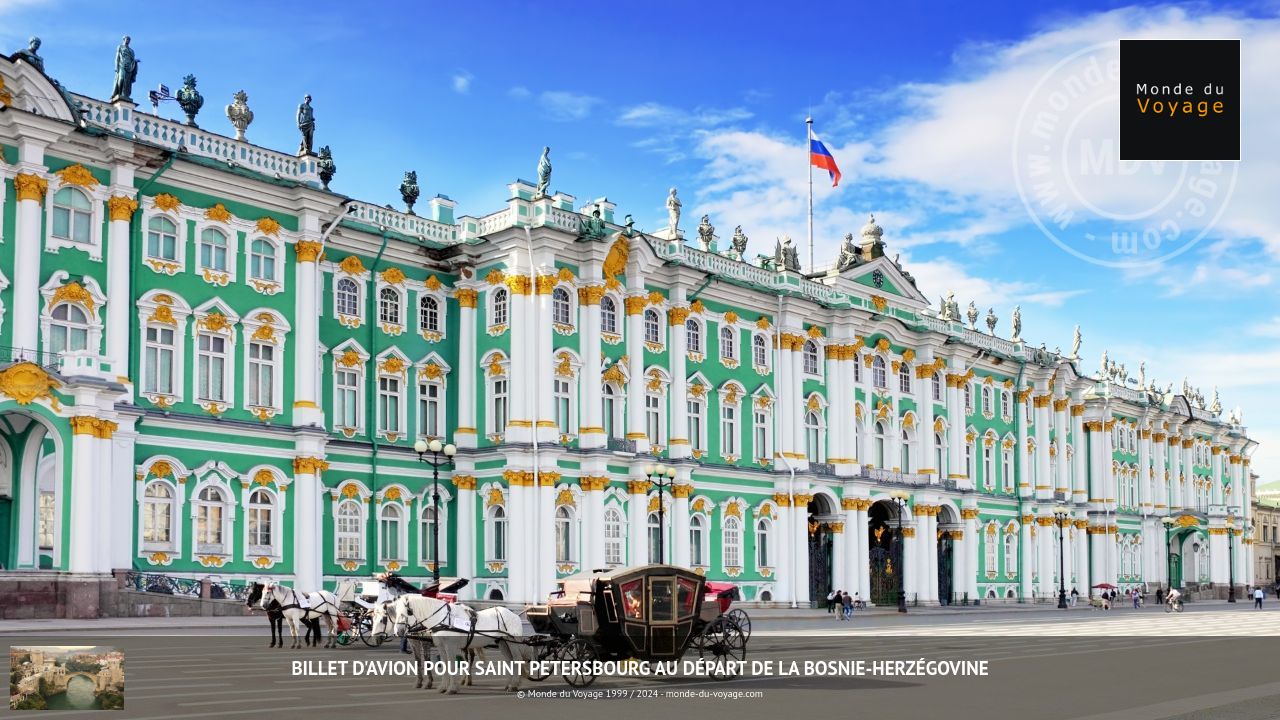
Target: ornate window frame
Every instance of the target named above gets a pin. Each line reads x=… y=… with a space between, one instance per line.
x=391 y=364
x=349 y=356
x=268 y=327
x=219 y=476
x=271 y=285
x=731 y=394
x=164 y=309
x=220 y=278
x=397 y=497
x=97 y=194
x=431 y=370
x=91 y=300
x=442 y=317
x=497 y=367
x=492 y=325
x=274 y=483
x=350 y=268
x=423 y=559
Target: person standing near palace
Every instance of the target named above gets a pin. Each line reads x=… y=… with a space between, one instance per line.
x=846 y=602
x=831 y=600
x=1075 y=597
x=1257 y=597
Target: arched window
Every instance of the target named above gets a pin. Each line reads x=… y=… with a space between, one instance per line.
x=1004 y=404
x=611 y=402
x=72 y=216
x=693 y=336
x=968 y=460
x=1010 y=554
x=732 y=527
x=262 y=260
x=608 y=315
x=988 y=465
x=878 y=377
x=697 y=542
x=937 y=386
x=261 y=524
x=565 y=550
x=968 y=399
x=986 y=400
x=68 y=328
x=389 y=306
x=428 y=314
x=497 y=544
x=389 y=524
x=157 y=515
x=348 y=297
x=904 y=378
x=763 y=527
x=760 y=351
x=656 y=549
x=211 y=367
x=213 y=250
x=157 y=370
x=499 y=307
x=904 y=461
x=162 y=239
x=347 y=531
x=1006 y=469
x=939 y=454
x=813 y=436
x=561 y=306
x=652 y=327
x=728 y=343
x=880 y=440
x=810 y=357
x=990 y=550
x=614 y=537
x=209 y=526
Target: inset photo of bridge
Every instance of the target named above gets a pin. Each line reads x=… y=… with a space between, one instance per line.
x=66 y=677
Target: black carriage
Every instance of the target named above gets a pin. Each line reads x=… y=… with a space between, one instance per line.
x=651 y=612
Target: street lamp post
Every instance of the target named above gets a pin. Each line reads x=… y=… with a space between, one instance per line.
x=1061 y=516
x=657 y=475
x=1168 y=556
x=899 y=498
x=1231 y=558
x=440 y=455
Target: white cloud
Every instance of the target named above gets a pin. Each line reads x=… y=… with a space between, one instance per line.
x=462 y=82
x=566 y=106
x=652 y=114
x=519 y=92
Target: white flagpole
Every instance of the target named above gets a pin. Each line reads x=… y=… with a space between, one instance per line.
x=809 y=161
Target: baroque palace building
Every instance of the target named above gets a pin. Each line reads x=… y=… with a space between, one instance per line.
x=216 y=366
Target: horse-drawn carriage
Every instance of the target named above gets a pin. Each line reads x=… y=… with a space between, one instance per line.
x=651 y=612
x=358 y=615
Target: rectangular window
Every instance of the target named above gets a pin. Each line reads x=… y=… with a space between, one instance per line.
x=653 y=419
x=389 y=404
x=499 y=406
x=261 y=375
x=159 y=361
x=47 y=521
x=695 y=425
x=260 y=529
x=563 y=406
x=345 y=403
x=429 y=409
x=209 y=528
x=210 y=367
x=761 y=435
x=348 y=531
x=728 y=430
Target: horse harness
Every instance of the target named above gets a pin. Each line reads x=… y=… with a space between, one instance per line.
x=419 y=626
x=295 y=605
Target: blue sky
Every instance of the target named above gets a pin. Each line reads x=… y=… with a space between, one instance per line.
x=915 y=100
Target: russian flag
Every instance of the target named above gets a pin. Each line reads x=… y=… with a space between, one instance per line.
x=820 y=157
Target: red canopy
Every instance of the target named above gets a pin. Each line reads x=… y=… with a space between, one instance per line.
x=1105 y=586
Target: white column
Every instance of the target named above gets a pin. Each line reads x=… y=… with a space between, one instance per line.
x=971 y=540
x=305 y=502
x=910 y=559
x=678 y=440
x=839 y=578
x=786 y=413
x=591 y=424
x=1145 y=488
x=924 y=410
x=119 y=493
x=1025 y=549
x=520 y=419
x=854 y=538
x=120 y=210
x=545 y=370
x=1216 y=475
x=1080 y=452
x=31 y=188
x=1159 y=474
x=678 y=546
x=958 y=421
x=1175 y=472
x=544 y=579
x=1047 y=532
x=799 y=459
x=520 y=560
x=465 y=433
x=1025 y=490
x=1044 y=476
x=635 y=305
x=864 y=545
x=800 y=547
x=1083 y=581
x=1061 y=429
x=306 y=327
x=1188 y=472
x=782 y=535
x=638 y=518
x=929 y=579
x=593 y=487
x=464 y=530
x=835 y=408
x=81 y=554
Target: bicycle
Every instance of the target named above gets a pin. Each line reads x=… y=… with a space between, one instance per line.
x=1173 y=606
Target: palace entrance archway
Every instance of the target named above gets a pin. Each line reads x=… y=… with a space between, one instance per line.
x=821 y=548
x=885 y=553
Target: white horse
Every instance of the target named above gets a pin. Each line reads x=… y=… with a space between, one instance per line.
x=457 y=629
x=298 y=606
x=421 y=643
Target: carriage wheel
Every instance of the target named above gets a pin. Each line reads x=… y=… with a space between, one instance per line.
x=742 y=619
x=545 y=652
x=579 y=650
x=723 y=641
x=364 y=628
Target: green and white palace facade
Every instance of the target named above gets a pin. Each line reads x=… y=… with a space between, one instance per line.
x=216 y=367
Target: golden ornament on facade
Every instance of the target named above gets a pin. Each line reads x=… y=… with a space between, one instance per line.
x=613 y=374
x=697 y=390
x=264 y=477
x=495 y=277
x=519 y=284
x=467 y=297
x=879 y=303
x=393 y=275
x=882 y=345
x=269 y=226
x=351 y=265
x=814 y=403
x=30 y=187
x=215 y=322
x=265 y=333
x=166 y=202
x=590 y=294
x=78 y=175
x=218 y=213
x=306 y=250
x=349 y=358
x=464 y=482
x=120 y=207
x=545 y=284
x=677 y=316
x=615 y=262
x=72 y=292
x=393 y=365
x=309 y=466
x=26 y=382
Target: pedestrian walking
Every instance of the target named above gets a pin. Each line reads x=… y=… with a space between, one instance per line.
x=1075 y=597
x=847 y=602
x=1134 y=594
x=1257 y=598
x=831 y=601
x=1160 y=596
